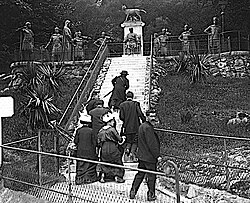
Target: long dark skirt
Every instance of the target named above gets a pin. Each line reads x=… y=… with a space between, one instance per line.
x=111 y=154
x=85 y=172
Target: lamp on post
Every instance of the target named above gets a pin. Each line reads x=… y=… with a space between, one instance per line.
x=222 y=4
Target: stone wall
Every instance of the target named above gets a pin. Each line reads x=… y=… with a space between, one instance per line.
x=234 y=65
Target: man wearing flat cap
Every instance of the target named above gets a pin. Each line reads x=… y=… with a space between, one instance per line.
x=121 y=84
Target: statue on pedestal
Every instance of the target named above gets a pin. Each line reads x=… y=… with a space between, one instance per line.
x=188 y=45
x=131 y=42
x=67 y=41
x=56 y=41
x=80 y=42
x=132 y=14
x=28 y=42
x=213 y=32
x=164 y=42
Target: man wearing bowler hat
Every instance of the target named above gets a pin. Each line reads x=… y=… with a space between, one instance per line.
x=121 y=84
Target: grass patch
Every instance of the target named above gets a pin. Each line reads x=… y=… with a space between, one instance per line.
x=211 y=105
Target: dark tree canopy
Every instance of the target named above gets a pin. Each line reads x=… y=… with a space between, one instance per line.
x=94 y=16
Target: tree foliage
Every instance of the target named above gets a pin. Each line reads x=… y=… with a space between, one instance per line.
x=92 y=17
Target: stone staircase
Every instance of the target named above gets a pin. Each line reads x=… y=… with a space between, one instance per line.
x=138 y=69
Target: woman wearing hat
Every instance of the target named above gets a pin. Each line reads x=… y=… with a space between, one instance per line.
x=86 y=148
x=108 y=140
x=121 y=84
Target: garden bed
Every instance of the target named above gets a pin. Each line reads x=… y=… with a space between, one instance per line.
x=210 y=106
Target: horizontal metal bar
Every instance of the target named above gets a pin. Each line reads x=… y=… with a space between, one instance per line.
x=209 y=163
x=202 y=135
x=85 y=160
x=41 y=187
x=18 y=141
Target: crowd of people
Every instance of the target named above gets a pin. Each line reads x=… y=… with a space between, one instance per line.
x=97 y=138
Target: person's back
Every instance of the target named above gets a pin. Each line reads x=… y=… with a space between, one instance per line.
x=148 y=143
x=96 y=116
x=86 y=143
x=121 y=84
x=148 y=155
x=130 y=114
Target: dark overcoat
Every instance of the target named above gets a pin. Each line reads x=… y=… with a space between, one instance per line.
x=86 y=143
x=96 y=116
x=148 y=143
x=130 y=114
x=121 y=84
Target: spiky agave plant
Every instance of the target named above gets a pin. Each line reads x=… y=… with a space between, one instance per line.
x=53 y=77
x=198 y=71
x=38 y=85
x=39 y=107
x=181 y=63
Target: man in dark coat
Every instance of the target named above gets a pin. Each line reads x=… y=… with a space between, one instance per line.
x=130 y=114
x=121 y=84
x=148 y=155
x=96 y=116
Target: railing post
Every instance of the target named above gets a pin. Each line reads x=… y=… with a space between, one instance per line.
x=39 y=158
x=226 y=165
x=70 y=200
x=229 y=44
x=248 y=42
x=150 y=70
x=56 y=151
x=239 y=40
x=198 y=46
x=177 y=180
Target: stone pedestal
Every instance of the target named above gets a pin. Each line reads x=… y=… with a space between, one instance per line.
x=137 y=28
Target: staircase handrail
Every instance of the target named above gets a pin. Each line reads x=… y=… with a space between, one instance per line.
x=150 y=69
x=89 y=85
x=103 y=47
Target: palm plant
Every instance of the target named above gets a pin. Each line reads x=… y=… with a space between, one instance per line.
x=53 y=78
x=39 y=85
x=193 y=67
x=39 y=107
x=198 y=69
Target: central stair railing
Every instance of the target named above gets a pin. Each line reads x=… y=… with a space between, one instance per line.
x=85 y=86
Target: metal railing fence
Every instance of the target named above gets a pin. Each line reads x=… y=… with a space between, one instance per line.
x=41 y=54
x=83 y=91
x=198 y=43
x=202 y=159
x=7 y=174
x=208 y=160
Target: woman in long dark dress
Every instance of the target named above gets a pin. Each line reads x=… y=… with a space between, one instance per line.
x=85 y=142
x=108 y=140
